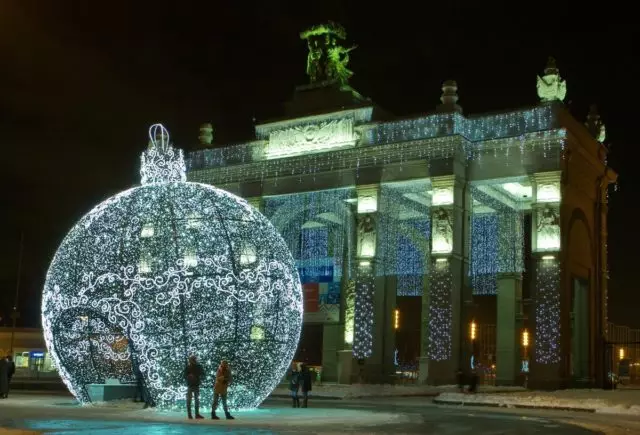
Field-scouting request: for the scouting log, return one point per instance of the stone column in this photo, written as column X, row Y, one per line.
column 448, row 293
column 507, row 328
column 374, row 339
column 546, row 353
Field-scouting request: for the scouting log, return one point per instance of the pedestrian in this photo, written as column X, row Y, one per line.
column 305, row 384
column 220, row 389
column 4, row 378
column 294, row 384
column 193, row 375
column 12, row 367
column 460, row 380
column 473, row 382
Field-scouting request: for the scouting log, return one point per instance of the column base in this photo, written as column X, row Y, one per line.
column 423, row 370
column 546, row 377
column 442, row 372
column 347, row 367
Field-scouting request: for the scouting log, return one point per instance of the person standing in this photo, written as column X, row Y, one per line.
column 305, row 384
column 193, row 375
column 220, row 388
column 10, row 372
column 4, row 378
column 294, row 385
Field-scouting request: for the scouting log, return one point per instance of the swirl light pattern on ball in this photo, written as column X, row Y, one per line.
column 165, row 270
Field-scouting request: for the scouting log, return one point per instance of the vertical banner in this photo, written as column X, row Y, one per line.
column 311, row 297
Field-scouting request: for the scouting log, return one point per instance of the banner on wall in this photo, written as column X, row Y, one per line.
column 321, row 301
column 316, row 274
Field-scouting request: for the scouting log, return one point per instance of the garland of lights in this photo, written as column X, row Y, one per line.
column 544, row 144
column 440, row 314
column 485, row 128
column 364, row 314
column 547, row 344
column 166, row 270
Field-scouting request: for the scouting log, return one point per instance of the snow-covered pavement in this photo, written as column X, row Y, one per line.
column 626, row 402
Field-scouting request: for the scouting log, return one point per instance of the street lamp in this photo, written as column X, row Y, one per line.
column 396, row 319
column 473, row 333
column 621, row 353
column 525, row 338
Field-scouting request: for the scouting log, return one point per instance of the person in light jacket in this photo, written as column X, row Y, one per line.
column 220, row 388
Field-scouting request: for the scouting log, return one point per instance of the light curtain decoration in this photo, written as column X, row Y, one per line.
column 404, row 230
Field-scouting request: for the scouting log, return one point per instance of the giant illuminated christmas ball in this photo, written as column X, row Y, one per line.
column 167, row 270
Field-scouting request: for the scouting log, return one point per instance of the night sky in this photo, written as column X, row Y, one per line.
column 80, row 84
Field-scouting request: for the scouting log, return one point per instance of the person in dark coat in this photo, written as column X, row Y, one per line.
column 473, row 382
column 460, row 380
column 305, row 384
column 294, row 384
column 193, row 375
column 4, row 378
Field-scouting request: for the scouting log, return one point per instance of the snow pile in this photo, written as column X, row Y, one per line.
column 601, row 401
column 124, row 404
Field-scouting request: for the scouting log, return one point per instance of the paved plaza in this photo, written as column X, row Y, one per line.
column 61, row 415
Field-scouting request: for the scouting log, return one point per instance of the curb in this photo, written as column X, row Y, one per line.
column 500, row 405
column 314, row 397
column 311, row 397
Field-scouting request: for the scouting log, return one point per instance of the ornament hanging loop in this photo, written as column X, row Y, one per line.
column 159, row 137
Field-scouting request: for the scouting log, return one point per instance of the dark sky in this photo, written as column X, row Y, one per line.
column 81, row 81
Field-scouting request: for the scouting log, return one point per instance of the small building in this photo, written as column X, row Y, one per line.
column 29, row 352
column 419, row 239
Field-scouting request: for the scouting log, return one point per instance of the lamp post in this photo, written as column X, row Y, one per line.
column 15, row 314
column 396, row 319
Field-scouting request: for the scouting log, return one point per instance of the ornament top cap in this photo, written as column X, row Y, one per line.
column 162, row 163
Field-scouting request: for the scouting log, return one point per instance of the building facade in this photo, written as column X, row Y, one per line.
column 29, row 352
column 412, row 235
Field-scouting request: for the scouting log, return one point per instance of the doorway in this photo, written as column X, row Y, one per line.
column 310, row 346
column 580, row 329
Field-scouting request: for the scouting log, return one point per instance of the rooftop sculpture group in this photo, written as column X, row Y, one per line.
column 327, row 59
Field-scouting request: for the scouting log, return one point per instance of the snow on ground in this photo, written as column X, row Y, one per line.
column 355, row 391
column 600, row 401
column 269, row 417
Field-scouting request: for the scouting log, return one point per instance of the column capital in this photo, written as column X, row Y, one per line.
column 443, row 181
column 547, row 177
column 546, row 187
column 368, row 198
column 255, row 202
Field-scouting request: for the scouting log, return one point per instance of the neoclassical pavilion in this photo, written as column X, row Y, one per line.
column 445, row 240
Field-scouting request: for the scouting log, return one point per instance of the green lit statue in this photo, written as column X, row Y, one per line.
column 327, row 60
